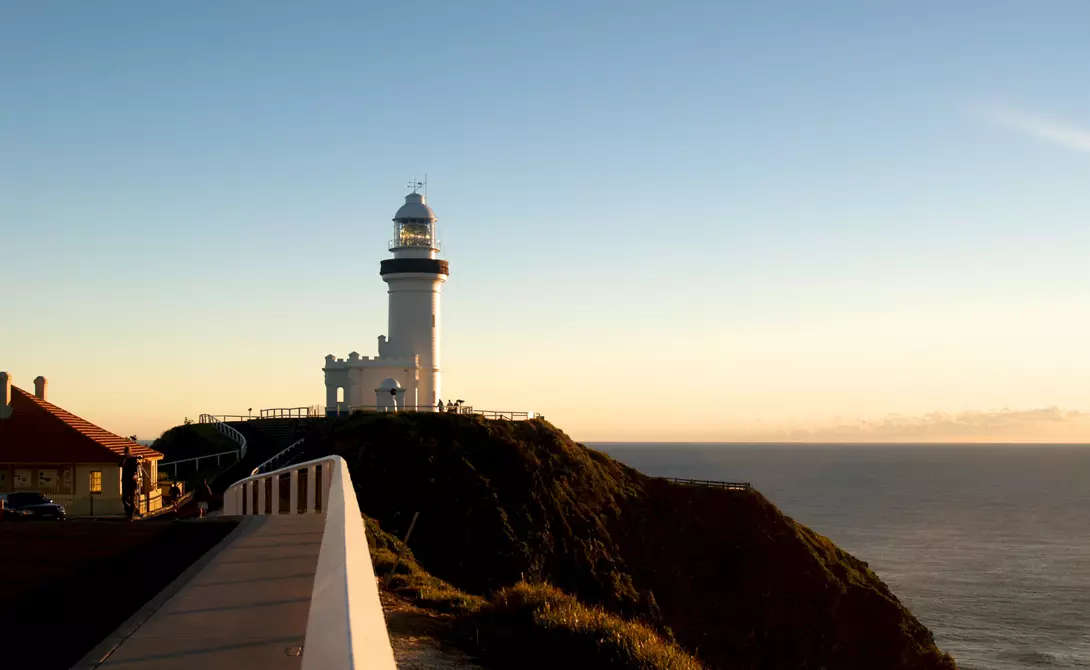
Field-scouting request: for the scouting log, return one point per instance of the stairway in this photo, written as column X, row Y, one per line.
column 264, row 438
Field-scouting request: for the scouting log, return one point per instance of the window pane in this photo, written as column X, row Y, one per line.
column 414, row 234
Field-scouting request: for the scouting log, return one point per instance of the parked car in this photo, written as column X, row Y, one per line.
column 29, row 505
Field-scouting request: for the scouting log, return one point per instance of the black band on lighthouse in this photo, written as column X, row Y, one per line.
column 427, row 265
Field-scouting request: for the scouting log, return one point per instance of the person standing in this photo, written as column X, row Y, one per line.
column 202, row 495
column 175, row 494
column 129, row 481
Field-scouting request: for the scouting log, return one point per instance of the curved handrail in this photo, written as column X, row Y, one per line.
column 198, row 459
column 277, row 456
column 345, row 626
column 229, row 431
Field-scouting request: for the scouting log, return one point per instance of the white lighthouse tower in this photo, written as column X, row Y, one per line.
column 407, row 372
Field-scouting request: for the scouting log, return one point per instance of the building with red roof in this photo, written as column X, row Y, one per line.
column 48, row 449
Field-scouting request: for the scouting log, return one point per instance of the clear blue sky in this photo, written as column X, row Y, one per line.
column 749, row 215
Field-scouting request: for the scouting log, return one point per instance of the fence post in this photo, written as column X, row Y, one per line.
column 260, row 483
column 293, row 495
column 312, row 482
column 404, row 545
column 274, row 504
column 327, row 483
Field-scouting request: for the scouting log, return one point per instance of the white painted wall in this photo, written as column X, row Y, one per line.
column 107, row 502
column 415, row 327
column 360, row 377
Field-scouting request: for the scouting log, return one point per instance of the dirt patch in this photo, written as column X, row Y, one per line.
column 66, row 585
column 417, row 637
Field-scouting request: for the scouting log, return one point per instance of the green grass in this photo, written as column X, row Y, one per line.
column 540, row 626
column 525, row 625
column 409, row 580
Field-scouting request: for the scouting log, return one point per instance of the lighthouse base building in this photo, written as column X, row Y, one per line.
column 406, row 374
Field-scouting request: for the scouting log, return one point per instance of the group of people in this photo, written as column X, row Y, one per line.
column 130, row 489
column 202, row 495
column 450, row 407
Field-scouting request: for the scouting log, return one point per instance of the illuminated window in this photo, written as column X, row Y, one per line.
column 96, row 481
column 414, row 234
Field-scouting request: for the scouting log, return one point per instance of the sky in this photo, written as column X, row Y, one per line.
column 690, row 221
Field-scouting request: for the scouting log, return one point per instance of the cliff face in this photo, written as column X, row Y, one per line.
column 736, row 582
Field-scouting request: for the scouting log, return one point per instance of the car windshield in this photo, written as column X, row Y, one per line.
column 22, row 499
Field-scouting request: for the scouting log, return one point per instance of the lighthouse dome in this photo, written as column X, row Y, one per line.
column 415, row 208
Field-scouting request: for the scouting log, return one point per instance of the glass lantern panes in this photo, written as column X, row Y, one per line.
column 414, row 233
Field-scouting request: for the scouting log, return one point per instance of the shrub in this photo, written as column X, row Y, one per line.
column 540, row 626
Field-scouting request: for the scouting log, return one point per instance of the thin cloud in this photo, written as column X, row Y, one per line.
column 1038, row 127
column 1049, row 424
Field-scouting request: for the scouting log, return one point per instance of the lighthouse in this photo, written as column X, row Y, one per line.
column 407, row 372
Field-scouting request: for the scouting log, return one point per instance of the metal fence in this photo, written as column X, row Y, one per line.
column 224, row 429
column 711, row 483
column 97, row 504
column 290, row 412
column 196, row 461
column 280, row 458
column 348, row 410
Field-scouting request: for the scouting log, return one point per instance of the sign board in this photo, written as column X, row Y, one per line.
column 21, row 479
column 47, row 480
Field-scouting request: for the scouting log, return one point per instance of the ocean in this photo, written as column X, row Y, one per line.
column 988, row 545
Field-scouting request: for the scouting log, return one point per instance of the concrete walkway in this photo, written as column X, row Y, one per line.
column 244, row 605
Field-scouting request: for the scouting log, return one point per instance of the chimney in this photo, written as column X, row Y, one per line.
column 5, row 395
column 41, row 387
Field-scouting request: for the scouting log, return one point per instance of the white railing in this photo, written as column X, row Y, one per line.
column 227, row 430
column 307, row 412
column 344, row 410
column 196, row 460
column 345, row 627
column 274, row 459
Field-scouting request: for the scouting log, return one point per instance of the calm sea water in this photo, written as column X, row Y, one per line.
column 989, row 545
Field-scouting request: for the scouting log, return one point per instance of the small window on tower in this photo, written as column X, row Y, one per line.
column 433, row 321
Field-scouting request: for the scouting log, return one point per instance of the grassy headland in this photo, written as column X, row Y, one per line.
column 517, row 516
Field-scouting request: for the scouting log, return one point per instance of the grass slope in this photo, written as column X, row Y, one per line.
column 733, row 580
column 533, row 626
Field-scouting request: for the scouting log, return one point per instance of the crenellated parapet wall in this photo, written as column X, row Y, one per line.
column 355, row 381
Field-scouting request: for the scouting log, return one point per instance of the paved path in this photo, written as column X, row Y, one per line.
column 245, row 607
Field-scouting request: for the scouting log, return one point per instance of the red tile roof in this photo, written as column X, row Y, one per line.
column 40, row 432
